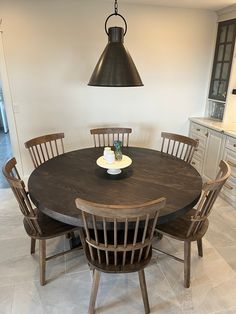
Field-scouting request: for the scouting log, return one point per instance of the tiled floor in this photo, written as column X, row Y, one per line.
column 213, row 282
column 5, row 153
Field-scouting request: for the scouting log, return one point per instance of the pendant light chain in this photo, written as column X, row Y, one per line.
column 116, row 7
column 116, row 14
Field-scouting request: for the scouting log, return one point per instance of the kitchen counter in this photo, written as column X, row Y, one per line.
column 228, row 129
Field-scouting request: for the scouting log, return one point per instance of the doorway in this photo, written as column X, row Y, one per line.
column 9, row 140
column 5, row 143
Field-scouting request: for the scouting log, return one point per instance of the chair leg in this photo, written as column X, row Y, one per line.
column 70, row 234
column 199, row 246
column 159, row 235
column 42, row 261
column 32, row 248
column 187, row 262
column 93, row 296
column 143, row 287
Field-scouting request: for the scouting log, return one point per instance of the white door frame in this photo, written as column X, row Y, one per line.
column 6, row 89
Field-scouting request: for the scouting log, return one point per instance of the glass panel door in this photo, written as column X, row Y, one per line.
column 223, row 60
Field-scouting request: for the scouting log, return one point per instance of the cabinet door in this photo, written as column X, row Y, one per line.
column 212, row 154
column 198, row 133
column 222, row 60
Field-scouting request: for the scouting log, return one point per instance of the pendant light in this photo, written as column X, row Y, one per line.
column 115, row 68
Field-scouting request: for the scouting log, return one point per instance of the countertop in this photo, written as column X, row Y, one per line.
column 228, row 129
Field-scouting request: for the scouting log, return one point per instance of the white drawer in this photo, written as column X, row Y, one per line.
column 201, row 140
column 230, row 157
column 199, row 153
column 229, row 196
column 197, row 164
column 200, row 136
column 198, row 129
column 230, row 187
column 231, row 143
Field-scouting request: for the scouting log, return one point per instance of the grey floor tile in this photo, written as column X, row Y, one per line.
column 213, row 278
column 17, row 265
column 27, row 299
column 6, row 299
column 227, row 253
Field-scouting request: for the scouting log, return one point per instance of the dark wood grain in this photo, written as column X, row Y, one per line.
column 55, row 185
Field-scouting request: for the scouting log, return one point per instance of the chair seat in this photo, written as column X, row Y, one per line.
column 50, row 227
column 179, row 227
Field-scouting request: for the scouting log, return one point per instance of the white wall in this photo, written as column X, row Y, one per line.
column 52, row 47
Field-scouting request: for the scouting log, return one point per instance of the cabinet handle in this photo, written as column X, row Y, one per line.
column 193, row 163
column 234, row 145
column 198, row 130
column 228, row 186
column 206, row 134
column 231, row 163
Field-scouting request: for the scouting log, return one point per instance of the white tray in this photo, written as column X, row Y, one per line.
column 115, row 167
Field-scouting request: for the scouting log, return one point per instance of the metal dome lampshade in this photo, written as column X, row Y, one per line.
column 115, row 68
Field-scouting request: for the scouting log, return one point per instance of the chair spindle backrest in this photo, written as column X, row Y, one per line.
column 18, row 187
column 45, row 147
column 179, row 146
column 106, row 136
column 209, row 195
column 125, row 233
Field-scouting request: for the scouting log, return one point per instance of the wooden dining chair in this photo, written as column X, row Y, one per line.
column 179, row 146
column 106, row 136
column 45, row 147
column 118, row 239
column 194, row 224
column 37, row 225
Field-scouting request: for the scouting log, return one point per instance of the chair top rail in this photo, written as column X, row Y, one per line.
column 180, row 138
column 44, row 138
column 120, row 211
column 110, row 130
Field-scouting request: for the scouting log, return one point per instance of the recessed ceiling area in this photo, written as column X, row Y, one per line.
column 197, row 4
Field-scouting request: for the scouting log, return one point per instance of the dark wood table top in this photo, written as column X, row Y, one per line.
column 55, row 185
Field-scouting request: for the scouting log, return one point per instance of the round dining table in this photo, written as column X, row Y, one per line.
column 54, row 185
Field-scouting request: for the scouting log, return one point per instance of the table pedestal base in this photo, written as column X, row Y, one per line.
column 113, row 171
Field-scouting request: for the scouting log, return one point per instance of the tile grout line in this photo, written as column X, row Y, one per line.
column 180, row 306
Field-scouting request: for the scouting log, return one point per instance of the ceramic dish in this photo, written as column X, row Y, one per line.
column 115, row 167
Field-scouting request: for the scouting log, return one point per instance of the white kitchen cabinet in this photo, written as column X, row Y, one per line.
column 229, row 189
column 197, row 164
column 199, row 133
column 213, row 154
column 209, row 152
column 215, row 144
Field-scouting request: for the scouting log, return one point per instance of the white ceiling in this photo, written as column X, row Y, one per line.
column 197, row 4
